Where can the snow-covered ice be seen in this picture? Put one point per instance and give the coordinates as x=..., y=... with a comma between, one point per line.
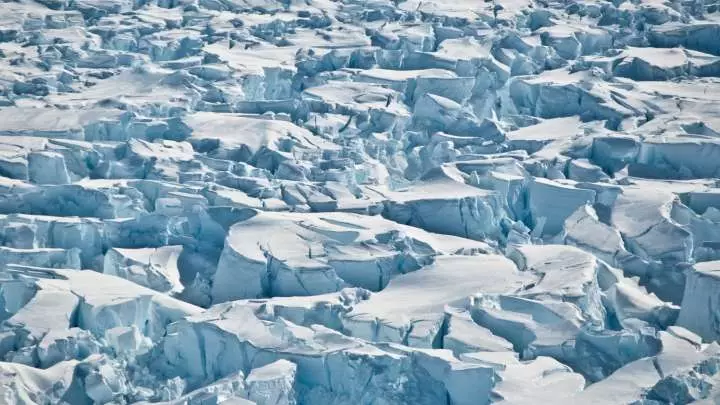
x=375, y=202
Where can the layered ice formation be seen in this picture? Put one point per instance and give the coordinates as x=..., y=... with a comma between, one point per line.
x=373, y=202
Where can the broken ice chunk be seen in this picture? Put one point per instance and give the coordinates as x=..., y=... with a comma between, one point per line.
x=307, y=254
x=394, y=315
x=152, y=268
x=554, y=202
x=465, y=336
x=273, y=384
x=700, y=307
x=443, y=203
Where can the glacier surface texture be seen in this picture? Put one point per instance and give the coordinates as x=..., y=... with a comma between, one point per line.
x=359, y=202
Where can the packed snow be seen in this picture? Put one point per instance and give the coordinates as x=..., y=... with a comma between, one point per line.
x=373, y=202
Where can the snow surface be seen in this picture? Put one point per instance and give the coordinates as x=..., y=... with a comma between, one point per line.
x=374, y=202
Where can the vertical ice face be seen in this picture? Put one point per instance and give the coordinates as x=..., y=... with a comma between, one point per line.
x=321, y=202
x=153, y=268
x=698, y=311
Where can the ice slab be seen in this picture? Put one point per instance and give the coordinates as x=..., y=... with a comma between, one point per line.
x=697, y=312
x=153, y=268
x=70, y=299
x=327, y=362
x=394, y=315
x=443, y=203
x=306, y=254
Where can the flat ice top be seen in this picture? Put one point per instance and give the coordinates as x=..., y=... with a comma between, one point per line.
x=400, y=75
x=304, y=239
x=448, y=281
x=258, y=132
x=548, y=130
x=709, y=269
x=438, y=184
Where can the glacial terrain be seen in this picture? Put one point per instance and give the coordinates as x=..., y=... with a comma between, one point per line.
x=359, y=202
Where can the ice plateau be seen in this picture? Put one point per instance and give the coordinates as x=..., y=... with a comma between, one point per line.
x=371, y=202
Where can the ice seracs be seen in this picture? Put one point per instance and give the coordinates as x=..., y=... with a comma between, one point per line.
x=152, y=268
x=307, y=254
x=373, y=202
x=71, y=301
x=443, y=203
x=395, y=315
x=268, y=142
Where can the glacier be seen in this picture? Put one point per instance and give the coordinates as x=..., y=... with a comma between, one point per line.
x=373, y=202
